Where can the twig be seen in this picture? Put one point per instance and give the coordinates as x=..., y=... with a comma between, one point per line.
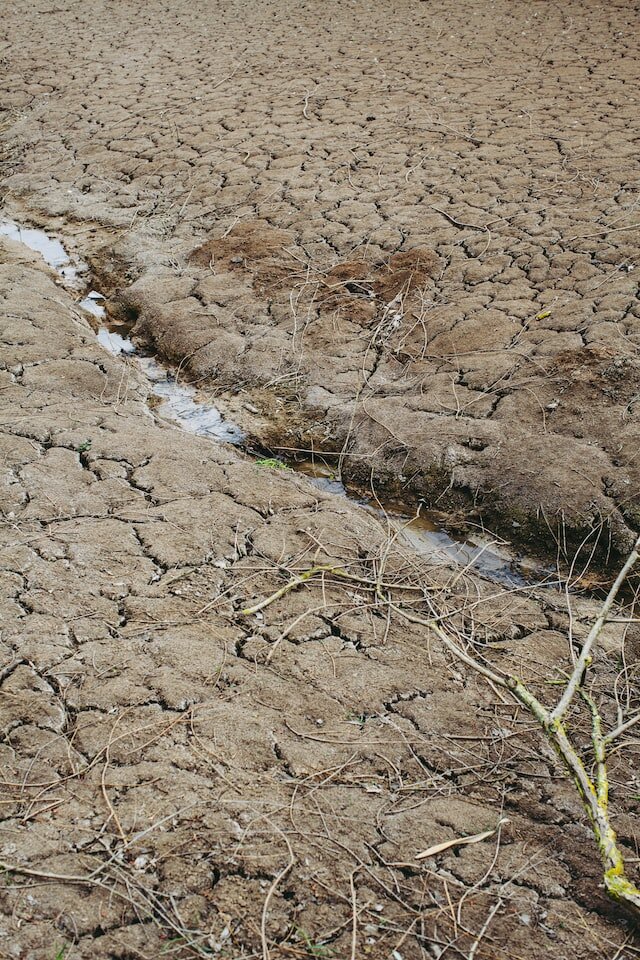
x=297, y=581
x=485, y=927
x=354, y=904
x=585, y=656
x=459, y=223
x=277, y=879
x=622, y=728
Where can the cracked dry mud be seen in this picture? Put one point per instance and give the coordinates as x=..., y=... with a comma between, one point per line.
x=270, y=177
x=397, y=231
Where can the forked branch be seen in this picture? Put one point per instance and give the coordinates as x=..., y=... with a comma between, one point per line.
x=594, y=793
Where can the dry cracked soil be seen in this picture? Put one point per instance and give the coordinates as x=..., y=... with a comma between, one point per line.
x=399, y=235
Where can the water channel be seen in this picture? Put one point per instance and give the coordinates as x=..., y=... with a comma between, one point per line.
x=178, y=401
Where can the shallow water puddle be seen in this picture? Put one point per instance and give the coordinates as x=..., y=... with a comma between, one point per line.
x=422, y=532
x=481, y=553
x=51, y=250
x=178, y=400
x=181, y=404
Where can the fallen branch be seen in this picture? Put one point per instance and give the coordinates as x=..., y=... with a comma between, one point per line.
x=299, y=579
x=593, y=792
x=584, y=659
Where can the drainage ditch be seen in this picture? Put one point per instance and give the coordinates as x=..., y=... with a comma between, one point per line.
x=179, y=402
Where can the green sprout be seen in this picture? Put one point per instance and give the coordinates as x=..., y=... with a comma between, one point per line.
x=272, y=463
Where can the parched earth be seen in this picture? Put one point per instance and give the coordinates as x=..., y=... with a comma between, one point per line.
x=181, y=778
x=404, y=235
x=408, y=231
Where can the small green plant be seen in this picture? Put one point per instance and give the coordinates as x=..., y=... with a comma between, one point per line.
x=313, y=949
x=61, y=953
x=358, y=718
x=82, y=448
x=272, y=463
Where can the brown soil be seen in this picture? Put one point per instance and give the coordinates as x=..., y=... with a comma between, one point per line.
x=291, y=146
x=262, y=186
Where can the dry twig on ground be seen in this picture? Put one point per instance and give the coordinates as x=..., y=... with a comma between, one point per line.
x=592, y=789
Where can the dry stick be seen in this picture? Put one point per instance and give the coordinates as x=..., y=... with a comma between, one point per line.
x=476, y=942
x=602, y=233
x=459, y=223
x=585, y=656
x=594, y=797
x=103, y=784
x=292, y=584
x=285, y=870
x=453, y=647
x=299, y=579
x=354, y=903
x=622, y=728
x=285, y=633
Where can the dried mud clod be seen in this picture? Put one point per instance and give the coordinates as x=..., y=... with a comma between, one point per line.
x=245, y=245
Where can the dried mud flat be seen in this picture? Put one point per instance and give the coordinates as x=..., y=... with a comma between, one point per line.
x=403, y=235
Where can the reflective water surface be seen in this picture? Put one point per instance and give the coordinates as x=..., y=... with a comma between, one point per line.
x=51, y=250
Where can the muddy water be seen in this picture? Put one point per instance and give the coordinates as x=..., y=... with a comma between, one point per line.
x=179, y=402
x=51, y=250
